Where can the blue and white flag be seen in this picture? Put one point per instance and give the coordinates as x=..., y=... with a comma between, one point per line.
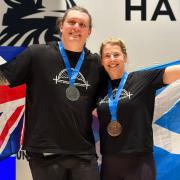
x=166, y=128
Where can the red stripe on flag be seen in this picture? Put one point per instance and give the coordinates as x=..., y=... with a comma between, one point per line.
x=10, y=94
x=10, y=122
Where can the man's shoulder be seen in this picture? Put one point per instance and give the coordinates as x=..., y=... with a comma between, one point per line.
x=45, y=46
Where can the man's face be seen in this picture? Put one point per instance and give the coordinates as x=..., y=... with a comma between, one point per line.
x=76, y=27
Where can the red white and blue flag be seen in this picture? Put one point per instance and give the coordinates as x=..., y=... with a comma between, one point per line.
x=12, y=104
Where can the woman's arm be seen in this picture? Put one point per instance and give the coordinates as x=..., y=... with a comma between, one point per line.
x=171, y=74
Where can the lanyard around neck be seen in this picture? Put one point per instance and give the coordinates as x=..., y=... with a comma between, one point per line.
x=72, y=75
x=113, y=102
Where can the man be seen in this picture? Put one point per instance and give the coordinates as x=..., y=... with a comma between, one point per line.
x=61, y=84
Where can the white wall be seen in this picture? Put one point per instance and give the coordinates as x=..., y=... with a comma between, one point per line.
x=148, y=42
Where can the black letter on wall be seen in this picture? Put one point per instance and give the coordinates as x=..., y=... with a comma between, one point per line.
x=168, y=10
x=130, y=8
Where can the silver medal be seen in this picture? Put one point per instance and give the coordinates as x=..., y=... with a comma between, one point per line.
x=72, y=93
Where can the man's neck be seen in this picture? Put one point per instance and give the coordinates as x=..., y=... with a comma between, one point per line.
x=73, y=46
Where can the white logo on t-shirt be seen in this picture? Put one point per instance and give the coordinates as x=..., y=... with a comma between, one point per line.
x=63, y=77
x=124, y=94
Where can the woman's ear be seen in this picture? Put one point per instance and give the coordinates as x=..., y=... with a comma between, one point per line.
x=125, y=58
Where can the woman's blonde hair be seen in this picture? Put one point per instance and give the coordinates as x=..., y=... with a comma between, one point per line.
x=113, y=41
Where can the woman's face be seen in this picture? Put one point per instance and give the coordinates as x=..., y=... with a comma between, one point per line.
x=113, y=60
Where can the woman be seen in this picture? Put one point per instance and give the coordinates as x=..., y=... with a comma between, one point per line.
x=125, y=111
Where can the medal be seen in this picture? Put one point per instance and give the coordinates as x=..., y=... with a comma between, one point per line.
x=114, y=128
x=72, y=93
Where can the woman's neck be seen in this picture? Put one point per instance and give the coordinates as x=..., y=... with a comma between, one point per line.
x=114, y=76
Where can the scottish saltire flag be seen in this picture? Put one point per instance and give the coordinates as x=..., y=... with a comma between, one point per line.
x=12, y=102
x=166, y=129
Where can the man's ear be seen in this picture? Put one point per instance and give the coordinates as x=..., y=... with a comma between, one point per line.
x=89, y=32
x=60, y=27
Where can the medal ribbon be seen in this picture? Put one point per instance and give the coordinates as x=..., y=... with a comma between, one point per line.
x=113, y=102
x=72, y=75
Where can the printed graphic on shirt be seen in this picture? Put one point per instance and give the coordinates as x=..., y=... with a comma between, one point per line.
x=63, y=78
x=124, y=94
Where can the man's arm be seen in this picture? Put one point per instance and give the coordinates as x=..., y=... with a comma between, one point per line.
x=3, y=80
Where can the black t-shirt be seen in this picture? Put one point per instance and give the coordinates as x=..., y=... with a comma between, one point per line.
x=53, y=123
x=134, y=112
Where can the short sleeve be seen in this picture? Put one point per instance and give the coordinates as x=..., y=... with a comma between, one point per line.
x=154, y=78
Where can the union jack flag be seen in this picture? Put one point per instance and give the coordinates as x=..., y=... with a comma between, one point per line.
x=12, y=104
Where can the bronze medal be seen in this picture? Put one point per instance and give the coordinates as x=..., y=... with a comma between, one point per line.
x=114, y=128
